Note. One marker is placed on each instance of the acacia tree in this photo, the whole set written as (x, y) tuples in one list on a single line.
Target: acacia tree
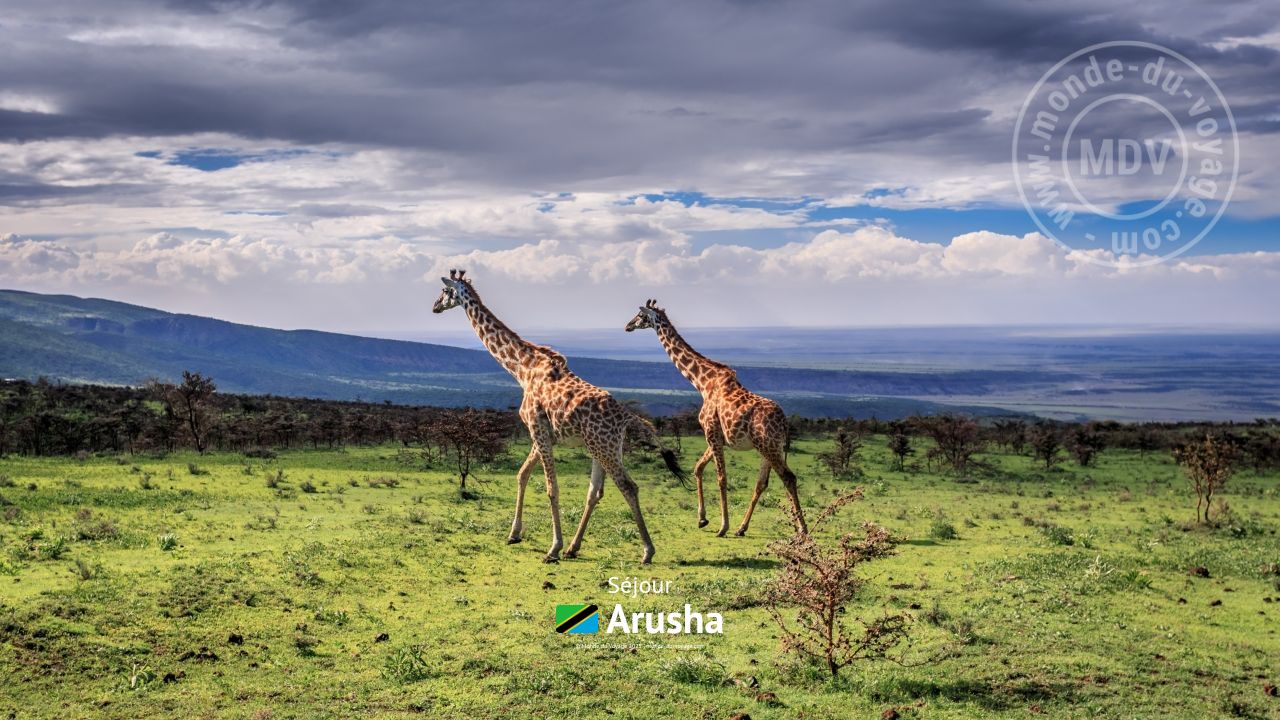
[(956, 440), (1045, 443), (839, 460), (1209, 464), (819, 581), (469, 437), (1085, 443), (900, 443), (190, 401)]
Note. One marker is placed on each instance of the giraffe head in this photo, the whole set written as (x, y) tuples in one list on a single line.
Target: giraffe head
[(456, 289), (650, 316)]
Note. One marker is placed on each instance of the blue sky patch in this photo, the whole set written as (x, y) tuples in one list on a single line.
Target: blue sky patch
[(215, 159)]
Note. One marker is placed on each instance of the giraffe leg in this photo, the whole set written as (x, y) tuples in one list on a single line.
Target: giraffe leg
[(789, 482), (722, 481), (631, 493), (697, 475), (542, 441), (522, 480), (761, 483), (594, 491)]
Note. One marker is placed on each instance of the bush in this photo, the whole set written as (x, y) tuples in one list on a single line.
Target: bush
[(1056, 534), (943, 530), (88, 528), (693, 671), (168, 541), (306, 644), (407, 664), (819, 581)]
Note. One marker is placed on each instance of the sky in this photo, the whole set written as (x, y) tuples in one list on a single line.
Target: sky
[(320, 164)]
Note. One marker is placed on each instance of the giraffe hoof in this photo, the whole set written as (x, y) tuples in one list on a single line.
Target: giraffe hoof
[(513, 540), (722, 532), (551, 559), (571, 553), (740, 532), (647, 557), (703, 522)]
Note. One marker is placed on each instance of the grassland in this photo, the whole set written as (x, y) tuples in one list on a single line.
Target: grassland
[(334, 584)]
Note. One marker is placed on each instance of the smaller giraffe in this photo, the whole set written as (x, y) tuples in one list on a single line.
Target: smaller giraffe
[(730, 416), (558, 404)]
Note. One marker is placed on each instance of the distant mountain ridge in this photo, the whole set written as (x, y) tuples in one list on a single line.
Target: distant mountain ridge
[(73, 339)]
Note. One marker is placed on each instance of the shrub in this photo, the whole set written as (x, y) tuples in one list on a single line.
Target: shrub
[(820, 581), (693, 671), (307, 487), (306, 644), (407, 664), (168, 541), (195, 469), (1209, 464), (941, 529), (86, 527), (1056, 534), (85, 571)]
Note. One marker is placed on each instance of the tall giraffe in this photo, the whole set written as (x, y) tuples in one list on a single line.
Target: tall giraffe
[(558, 404), (730, 416)]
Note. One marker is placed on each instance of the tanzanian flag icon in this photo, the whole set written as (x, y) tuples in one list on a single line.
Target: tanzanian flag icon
[(577, 619)]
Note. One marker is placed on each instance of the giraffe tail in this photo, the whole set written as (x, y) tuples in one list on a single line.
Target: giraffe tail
[(653, 441)]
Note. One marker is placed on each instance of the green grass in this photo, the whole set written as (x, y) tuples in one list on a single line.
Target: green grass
[(380, 592)]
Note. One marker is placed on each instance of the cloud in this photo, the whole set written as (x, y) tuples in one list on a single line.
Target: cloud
[(301, 163), (361, 285)]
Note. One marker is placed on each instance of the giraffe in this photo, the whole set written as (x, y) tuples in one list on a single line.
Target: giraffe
[(730, 416), (558, 404)]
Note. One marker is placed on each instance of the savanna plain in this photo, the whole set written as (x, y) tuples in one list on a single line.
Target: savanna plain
[(337, 583)]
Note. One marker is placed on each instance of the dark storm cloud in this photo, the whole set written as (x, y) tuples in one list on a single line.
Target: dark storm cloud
[(545, 95)]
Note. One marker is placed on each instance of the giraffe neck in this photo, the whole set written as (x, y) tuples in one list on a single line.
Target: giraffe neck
[(695, 367), (509, 349)]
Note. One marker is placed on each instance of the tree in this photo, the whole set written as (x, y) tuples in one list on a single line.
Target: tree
[(469, 437), (819, 581), (1085, 444), (1045, 443), (1145, 440), (956, 440), (1011, 433), (1209, 464), (190, 403), (900, 443), (839, 460)]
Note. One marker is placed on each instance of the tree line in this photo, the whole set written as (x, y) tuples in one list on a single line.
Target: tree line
[(45, 418)]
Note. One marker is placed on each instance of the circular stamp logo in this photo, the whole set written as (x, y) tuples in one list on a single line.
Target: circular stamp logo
[(1127, 151)]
